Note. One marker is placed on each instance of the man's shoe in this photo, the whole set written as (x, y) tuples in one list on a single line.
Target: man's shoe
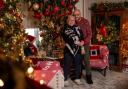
[(89, 79), (78, 82)]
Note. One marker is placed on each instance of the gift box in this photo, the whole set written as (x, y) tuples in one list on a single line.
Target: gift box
[(50, 73)]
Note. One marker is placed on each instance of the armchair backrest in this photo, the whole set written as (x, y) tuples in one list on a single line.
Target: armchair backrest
[(98, 51)]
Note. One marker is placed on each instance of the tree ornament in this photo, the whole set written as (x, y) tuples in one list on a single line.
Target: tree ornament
[(49, 6), (56, 9), (46, 12), (37, 15), (36, 6), (70, 6), (62, 3), (2, 4)]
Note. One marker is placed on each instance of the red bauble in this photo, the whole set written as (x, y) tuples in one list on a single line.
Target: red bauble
[(46, 12), (1, 4), (70, 7), (62, 3), (56, 9), (103, 30), (49, 6), (37, 15)]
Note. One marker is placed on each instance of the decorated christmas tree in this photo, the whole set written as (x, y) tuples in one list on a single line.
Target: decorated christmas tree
[(12, 33), (51, 17), (107, 33)]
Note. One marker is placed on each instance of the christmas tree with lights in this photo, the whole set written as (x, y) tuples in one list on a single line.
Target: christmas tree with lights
[(12, 33), (51, 17)]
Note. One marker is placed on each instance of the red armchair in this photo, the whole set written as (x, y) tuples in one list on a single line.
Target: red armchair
[(99, 57)]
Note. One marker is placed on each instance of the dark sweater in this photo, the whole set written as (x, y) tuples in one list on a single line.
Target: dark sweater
[(70, 34)]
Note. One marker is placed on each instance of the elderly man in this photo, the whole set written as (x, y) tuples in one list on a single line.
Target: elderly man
[(73, 37), (86, 29)]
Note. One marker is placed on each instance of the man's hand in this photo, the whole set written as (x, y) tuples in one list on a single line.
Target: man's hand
[(79, 43)]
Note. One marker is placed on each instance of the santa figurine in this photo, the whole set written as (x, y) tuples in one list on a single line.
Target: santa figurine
[(30, 49)]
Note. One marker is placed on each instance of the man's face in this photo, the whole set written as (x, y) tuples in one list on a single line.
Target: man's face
[(71, 20), (77, 15)]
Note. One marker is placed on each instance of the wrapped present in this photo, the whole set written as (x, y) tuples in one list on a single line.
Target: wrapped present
[(49, 73)]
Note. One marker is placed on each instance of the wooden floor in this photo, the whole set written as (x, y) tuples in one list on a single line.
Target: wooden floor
[(113, 80)]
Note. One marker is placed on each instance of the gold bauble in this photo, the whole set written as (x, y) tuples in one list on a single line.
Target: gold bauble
[(35, 6)]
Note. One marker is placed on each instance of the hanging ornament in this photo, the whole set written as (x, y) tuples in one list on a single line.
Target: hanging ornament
[(56, 9), (35, 6), (49, 6), (62, 3), (46, 12), (1, 4), (37, 15), (70, 6)]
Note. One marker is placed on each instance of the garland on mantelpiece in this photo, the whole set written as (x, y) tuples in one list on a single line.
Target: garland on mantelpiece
[(107, 6)]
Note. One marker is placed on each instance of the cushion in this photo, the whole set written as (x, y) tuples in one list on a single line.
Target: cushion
[(94, 52)]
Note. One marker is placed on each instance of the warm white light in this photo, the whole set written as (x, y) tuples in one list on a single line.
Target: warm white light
[(1, 83), (41, 82), (30, 70)]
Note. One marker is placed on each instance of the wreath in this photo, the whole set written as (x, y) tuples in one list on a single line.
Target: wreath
[(107, 33)]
